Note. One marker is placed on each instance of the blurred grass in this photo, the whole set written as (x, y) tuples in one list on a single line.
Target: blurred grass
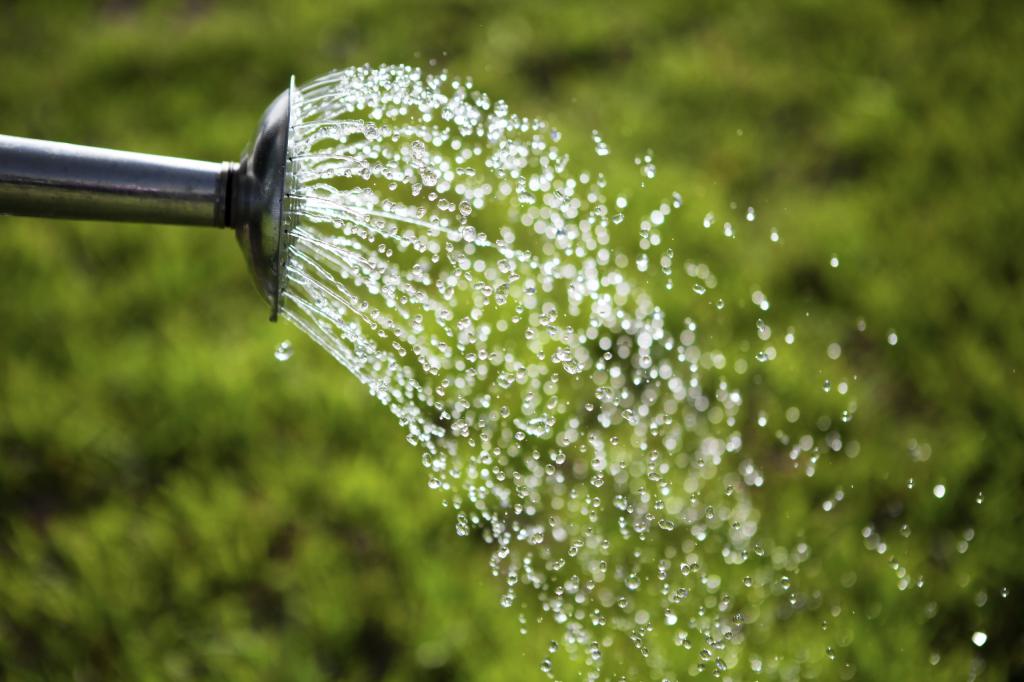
[(174, 503)]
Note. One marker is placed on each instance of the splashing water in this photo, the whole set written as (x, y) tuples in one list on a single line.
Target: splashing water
[(444, 250)]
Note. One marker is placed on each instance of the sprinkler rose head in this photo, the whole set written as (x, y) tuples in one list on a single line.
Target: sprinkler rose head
[(256, 194), (56, 180)]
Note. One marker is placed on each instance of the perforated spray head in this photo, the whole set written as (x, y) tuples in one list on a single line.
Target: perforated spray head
[(256, 196)]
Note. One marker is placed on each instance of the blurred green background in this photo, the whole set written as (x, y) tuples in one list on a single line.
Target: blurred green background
[(176, 504)]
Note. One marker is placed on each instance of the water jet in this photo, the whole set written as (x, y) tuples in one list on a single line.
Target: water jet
[(496, 300)]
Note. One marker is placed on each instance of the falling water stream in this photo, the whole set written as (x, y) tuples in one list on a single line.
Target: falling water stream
[(486, 290)]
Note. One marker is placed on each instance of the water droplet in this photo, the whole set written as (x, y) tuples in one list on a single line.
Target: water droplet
[(979, 638), (283, 352)]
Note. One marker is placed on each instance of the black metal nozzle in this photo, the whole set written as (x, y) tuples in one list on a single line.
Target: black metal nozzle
[(57, 180)]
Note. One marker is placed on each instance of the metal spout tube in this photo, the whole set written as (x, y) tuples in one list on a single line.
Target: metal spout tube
[(57, 180)]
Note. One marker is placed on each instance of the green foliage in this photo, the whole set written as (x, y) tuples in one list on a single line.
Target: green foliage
[(176, 504)]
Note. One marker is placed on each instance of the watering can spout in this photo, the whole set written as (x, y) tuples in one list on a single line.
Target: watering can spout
[(57, 180)]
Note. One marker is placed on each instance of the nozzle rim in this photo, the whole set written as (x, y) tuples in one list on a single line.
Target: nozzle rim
[(283, 226)]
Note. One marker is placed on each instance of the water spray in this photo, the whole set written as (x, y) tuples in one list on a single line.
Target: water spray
[(498, 300), (444, 250), (57, 180)]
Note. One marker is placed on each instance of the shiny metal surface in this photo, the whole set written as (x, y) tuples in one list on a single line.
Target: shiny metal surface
[(256, 207), (57, 180)]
